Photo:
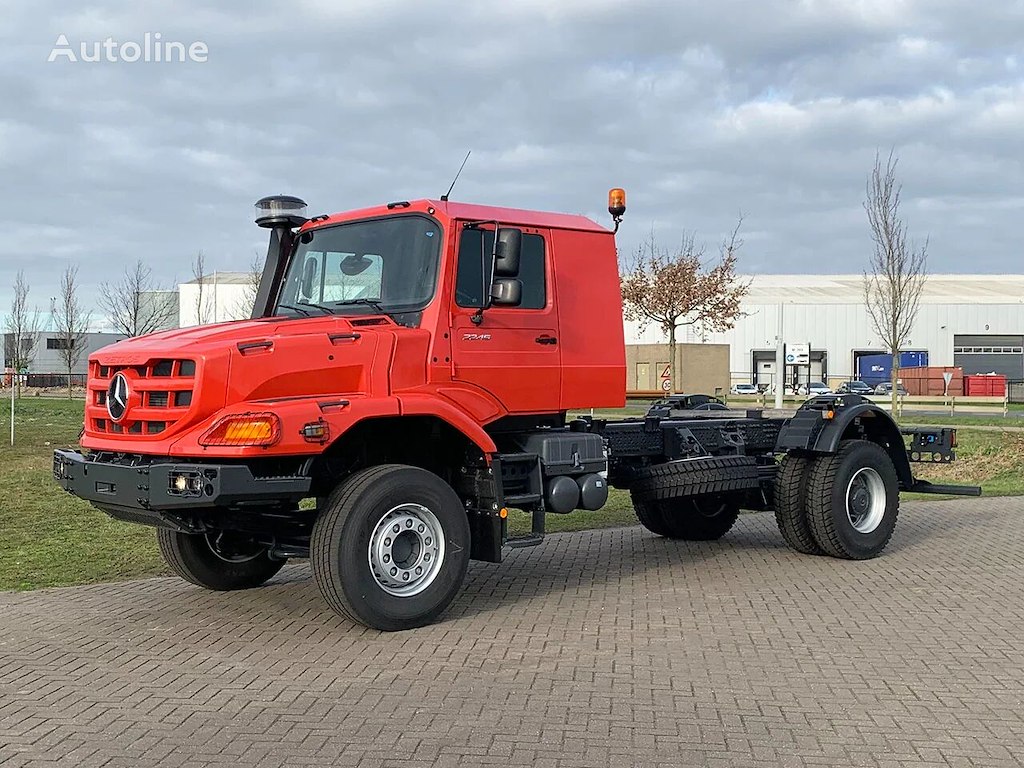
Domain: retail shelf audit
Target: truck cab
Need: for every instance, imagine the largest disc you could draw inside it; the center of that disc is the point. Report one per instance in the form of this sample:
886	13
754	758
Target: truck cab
430	336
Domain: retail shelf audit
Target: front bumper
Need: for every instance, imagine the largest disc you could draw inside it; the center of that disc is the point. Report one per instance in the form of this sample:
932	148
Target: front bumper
149	492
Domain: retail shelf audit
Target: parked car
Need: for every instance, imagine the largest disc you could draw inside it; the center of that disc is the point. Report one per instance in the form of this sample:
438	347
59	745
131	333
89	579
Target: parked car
674	405
854	388
814	388
885	388
743	389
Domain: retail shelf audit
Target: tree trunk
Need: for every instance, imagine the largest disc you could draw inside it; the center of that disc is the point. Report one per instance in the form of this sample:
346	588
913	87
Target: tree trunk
69	380
894	377
672	359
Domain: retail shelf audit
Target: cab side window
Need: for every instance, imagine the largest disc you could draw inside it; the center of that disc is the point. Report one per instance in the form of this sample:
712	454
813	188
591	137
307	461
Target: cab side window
469	281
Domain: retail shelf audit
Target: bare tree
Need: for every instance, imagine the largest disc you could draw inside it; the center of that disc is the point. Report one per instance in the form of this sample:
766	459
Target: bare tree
676	289
251	287
22	331
137	304
70	322
897	268
205	308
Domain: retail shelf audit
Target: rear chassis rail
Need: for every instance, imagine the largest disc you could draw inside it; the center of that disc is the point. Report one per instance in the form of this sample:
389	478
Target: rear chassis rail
818	427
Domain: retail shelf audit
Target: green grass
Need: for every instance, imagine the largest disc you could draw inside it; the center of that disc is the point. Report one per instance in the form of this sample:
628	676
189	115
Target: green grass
617	512
963	420
49	538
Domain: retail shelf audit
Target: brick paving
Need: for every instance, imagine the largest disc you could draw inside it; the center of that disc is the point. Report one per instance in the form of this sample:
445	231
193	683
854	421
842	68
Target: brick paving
609	647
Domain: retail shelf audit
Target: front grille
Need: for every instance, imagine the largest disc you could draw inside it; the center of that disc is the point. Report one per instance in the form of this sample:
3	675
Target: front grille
161	394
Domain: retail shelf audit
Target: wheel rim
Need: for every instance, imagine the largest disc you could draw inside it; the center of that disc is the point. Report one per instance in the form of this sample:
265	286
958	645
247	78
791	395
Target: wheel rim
232	549
710	509
406	550
865	500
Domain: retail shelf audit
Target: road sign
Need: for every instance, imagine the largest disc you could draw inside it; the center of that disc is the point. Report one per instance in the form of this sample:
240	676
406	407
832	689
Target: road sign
798	354
947	377
666	372
666	385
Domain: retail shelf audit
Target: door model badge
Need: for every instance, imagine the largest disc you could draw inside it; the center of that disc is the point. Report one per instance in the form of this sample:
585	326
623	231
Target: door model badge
476	337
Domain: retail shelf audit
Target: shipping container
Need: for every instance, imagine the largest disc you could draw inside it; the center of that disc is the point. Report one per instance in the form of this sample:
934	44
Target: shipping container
985	385
930	380
874	369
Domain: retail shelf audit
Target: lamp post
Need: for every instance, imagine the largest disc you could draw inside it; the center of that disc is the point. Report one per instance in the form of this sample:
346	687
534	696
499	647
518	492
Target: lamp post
780	361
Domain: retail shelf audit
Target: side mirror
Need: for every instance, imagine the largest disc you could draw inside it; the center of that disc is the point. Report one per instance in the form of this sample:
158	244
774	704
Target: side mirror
506	292
507	247
308	276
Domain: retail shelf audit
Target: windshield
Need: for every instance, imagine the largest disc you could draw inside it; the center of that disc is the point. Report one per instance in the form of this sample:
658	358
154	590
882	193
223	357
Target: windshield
382	265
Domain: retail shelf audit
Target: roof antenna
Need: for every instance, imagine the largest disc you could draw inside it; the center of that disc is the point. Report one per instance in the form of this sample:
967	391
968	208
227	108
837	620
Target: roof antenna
444	197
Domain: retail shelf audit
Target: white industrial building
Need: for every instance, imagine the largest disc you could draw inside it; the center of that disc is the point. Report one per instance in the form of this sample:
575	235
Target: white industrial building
972	321
216	298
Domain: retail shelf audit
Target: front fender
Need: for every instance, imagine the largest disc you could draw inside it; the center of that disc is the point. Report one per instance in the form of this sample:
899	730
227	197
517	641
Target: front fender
430	405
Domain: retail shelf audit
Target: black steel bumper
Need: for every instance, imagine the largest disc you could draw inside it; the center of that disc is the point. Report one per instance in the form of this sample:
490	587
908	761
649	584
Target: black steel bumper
142	491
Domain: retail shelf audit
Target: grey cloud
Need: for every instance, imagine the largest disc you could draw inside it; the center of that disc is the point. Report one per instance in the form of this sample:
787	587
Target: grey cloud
701	111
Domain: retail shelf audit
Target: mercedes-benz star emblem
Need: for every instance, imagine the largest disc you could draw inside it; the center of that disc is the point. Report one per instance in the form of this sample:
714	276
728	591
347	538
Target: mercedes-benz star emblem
117	397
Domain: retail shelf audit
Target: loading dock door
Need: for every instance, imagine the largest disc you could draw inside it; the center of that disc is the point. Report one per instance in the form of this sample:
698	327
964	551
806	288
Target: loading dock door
990	353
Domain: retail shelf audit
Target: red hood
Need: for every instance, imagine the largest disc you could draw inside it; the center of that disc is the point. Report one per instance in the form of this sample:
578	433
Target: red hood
181	377
203	339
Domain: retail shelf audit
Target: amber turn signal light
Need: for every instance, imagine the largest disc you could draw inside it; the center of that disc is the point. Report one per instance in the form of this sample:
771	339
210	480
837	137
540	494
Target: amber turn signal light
244	430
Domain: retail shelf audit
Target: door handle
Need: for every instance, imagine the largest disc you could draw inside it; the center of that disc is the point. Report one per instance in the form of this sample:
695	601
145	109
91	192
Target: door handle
546	340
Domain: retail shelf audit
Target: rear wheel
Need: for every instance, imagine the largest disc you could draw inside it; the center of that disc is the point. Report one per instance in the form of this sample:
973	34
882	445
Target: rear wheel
220	560
853	500
790	497
391	547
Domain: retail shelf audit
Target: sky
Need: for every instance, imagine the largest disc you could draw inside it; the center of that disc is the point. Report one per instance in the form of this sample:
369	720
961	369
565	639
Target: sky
704	112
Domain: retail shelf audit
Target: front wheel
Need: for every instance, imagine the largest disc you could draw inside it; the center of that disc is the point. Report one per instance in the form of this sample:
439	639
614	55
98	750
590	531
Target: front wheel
219	560
853	500
391	547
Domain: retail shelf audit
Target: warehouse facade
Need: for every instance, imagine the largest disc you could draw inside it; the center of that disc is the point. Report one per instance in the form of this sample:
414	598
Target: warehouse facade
975	322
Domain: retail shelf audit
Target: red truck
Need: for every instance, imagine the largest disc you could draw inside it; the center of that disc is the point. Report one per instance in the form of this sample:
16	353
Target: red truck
406	378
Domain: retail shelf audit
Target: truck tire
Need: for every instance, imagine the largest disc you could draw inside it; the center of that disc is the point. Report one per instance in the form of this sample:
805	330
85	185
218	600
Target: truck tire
218	561
696	477
703	518
853	500
790	497
391	548
649	515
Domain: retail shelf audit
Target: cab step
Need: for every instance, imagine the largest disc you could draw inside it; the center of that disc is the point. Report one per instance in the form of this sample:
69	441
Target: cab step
534	537
526	540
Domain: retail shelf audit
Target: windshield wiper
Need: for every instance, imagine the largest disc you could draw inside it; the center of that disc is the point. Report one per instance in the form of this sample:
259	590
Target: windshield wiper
375	303
302	308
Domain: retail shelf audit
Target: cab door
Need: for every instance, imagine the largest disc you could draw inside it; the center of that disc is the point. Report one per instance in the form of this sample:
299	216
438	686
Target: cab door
513	352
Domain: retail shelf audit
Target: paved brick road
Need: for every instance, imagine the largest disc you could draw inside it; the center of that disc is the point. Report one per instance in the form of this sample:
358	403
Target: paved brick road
605	648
